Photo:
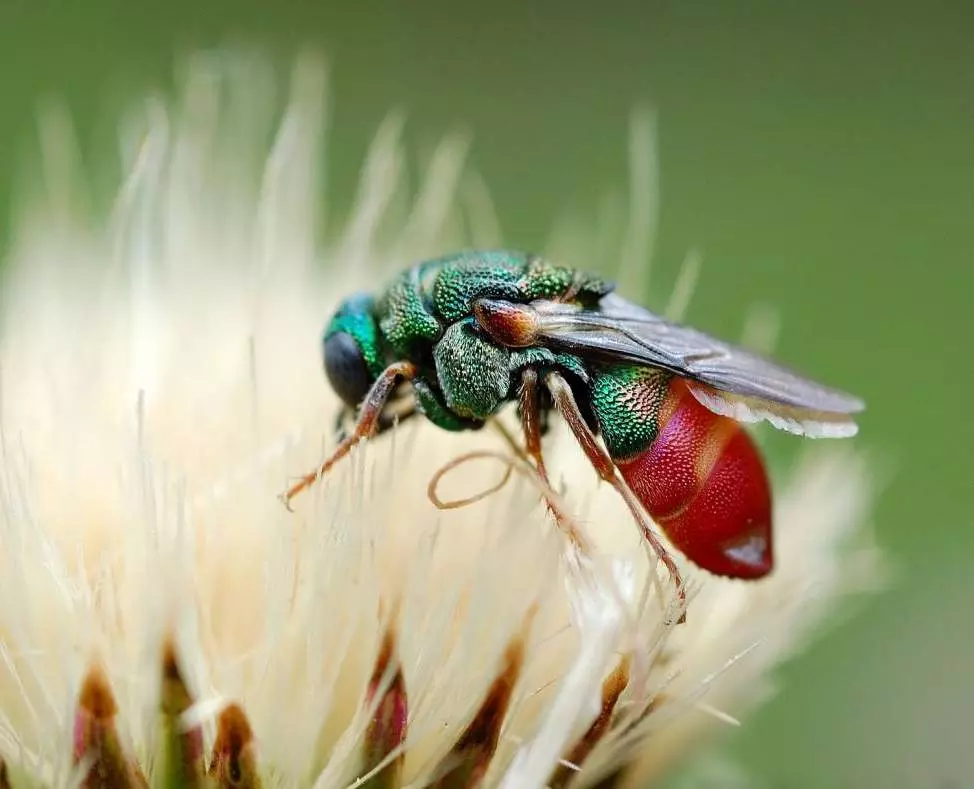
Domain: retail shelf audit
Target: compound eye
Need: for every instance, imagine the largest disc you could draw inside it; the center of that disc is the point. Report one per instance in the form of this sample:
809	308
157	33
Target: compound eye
345	368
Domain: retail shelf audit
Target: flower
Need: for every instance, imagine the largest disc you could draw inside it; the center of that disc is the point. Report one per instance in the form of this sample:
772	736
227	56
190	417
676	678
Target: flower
163	617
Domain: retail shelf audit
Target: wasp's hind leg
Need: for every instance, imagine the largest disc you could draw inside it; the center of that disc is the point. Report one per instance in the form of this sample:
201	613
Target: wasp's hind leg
369	418
567	406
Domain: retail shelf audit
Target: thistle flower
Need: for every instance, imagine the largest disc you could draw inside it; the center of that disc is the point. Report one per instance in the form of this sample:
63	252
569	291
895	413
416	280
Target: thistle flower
164	619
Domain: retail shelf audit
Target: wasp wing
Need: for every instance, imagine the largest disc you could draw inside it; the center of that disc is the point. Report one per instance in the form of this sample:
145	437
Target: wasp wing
725	378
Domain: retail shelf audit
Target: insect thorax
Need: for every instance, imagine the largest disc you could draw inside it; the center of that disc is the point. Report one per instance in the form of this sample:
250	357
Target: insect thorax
425	316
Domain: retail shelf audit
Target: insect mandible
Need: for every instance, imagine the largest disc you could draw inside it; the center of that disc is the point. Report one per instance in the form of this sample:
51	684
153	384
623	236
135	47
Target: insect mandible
657	407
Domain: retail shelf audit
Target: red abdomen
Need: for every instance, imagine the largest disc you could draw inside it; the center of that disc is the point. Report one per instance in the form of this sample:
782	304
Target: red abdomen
704	483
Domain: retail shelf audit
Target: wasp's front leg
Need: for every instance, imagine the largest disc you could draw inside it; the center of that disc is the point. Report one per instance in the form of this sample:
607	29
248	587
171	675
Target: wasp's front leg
388	419
369	417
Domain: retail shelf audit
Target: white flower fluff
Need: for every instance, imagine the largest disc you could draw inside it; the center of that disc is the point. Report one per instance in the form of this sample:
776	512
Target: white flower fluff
164	618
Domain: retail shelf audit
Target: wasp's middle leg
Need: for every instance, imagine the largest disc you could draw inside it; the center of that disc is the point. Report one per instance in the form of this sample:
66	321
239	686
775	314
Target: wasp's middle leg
532	425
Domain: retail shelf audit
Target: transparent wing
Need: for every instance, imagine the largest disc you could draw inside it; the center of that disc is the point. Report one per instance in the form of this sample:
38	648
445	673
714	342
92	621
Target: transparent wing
725	378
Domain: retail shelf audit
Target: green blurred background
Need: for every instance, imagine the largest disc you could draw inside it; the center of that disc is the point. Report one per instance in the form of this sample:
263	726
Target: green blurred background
820	154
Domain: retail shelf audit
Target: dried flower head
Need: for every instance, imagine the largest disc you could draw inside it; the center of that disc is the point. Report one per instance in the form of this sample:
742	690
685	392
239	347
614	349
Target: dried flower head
164	619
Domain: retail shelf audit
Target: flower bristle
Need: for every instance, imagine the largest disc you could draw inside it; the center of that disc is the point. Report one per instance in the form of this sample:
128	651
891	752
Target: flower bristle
181	763
467	762
386	733
612	689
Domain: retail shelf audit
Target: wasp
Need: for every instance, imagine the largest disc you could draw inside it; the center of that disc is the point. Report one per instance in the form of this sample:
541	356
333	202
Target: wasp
658	408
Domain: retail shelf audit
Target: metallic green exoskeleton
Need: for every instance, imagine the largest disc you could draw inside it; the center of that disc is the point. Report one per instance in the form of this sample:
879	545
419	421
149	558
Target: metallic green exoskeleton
654	405
425	316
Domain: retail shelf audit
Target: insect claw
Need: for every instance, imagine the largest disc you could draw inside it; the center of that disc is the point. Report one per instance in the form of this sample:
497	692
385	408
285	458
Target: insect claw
285	499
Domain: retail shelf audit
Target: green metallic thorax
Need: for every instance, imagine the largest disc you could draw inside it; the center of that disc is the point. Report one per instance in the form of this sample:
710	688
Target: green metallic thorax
425	316
423	301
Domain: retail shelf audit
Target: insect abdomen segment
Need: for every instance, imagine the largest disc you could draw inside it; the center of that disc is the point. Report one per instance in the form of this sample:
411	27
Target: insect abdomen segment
698	474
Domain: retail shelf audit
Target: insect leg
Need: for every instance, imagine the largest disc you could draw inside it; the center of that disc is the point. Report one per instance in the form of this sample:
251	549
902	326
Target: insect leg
340	432
387	420
369	416
531	420
532	424
568	408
